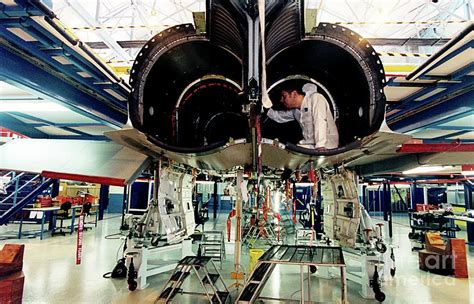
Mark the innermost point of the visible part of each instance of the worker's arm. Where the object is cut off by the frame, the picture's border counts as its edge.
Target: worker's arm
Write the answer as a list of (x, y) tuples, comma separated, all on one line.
[(281, 116)]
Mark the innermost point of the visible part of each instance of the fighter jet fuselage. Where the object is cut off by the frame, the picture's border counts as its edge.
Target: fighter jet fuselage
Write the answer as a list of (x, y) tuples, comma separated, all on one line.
[(198, 92)]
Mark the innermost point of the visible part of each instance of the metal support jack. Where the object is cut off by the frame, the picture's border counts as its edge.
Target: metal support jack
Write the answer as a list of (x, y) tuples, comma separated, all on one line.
[(237, 274)]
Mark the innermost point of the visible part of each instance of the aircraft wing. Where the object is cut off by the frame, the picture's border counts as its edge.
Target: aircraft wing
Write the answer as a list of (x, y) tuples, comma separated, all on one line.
[(412, 155), (377, 146), (275, 155), (85, 160), (216, 157), (382, 152)]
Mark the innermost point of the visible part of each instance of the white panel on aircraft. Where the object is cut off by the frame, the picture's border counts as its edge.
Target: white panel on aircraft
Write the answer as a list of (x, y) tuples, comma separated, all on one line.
[(341, 208)]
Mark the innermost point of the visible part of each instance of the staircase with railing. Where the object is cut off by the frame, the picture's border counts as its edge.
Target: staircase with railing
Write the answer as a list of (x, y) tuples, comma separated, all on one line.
[(21, 189)]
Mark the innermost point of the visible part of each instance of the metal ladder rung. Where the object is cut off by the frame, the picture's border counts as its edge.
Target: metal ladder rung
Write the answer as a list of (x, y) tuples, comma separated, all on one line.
[(177, 276), (222, 295), (213, 276), (259, 273), (248, 292), (169, 293), (257, 281)]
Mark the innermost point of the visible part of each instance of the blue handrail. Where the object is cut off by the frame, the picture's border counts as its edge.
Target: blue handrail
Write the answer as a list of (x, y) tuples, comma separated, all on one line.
[(16, 191), (14, 178), (4, 218)]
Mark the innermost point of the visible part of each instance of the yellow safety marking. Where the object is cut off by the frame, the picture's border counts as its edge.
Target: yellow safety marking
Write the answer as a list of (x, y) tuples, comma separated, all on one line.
[(65, 28), (94, 28), (69, 31), (395, 54), (103, 27), (404, 22)]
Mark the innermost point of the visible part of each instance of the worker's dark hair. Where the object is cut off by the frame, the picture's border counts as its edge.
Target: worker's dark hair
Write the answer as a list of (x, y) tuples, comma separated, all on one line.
[(292, 85)]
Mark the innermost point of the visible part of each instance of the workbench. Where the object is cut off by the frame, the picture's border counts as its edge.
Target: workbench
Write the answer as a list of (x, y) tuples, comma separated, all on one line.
[(52, 224)]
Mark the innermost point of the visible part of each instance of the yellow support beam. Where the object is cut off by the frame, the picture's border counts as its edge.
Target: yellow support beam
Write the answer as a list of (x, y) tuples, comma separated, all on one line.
[(399, 68), (125, 69), (121, 70)]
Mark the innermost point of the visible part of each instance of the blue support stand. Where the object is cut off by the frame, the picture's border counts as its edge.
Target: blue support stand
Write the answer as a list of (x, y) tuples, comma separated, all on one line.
[(215, 201), (364, 198), (387, 207), (413, 196), (319, 209), (103, 200), (55, 188)]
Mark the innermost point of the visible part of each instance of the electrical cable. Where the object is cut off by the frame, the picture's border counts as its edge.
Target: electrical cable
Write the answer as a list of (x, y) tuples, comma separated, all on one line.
[(299, 290), (108, 275), (118, 250), (111, 236)]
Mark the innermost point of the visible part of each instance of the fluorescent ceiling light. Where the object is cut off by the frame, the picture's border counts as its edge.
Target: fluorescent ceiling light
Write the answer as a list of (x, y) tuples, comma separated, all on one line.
[(84, 74), (62, 60), (115, 94), (21, 33), (427, 169), (36, 106), (304, 184)]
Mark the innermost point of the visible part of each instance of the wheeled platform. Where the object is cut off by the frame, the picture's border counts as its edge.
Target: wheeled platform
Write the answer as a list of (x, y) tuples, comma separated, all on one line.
[(302, 256)]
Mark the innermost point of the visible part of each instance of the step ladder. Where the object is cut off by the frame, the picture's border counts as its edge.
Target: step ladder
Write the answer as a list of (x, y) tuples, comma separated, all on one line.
[(266, 233), (207, 274), (213, 245)]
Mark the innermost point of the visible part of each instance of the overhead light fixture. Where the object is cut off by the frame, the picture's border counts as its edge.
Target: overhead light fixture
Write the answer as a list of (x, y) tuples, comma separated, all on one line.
[(427, 169), (62, 60), (22, 34), (115, 94), (30, 106)]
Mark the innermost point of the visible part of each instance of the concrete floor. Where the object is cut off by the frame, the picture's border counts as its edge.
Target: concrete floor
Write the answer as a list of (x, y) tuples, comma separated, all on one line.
[(53, 277)]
